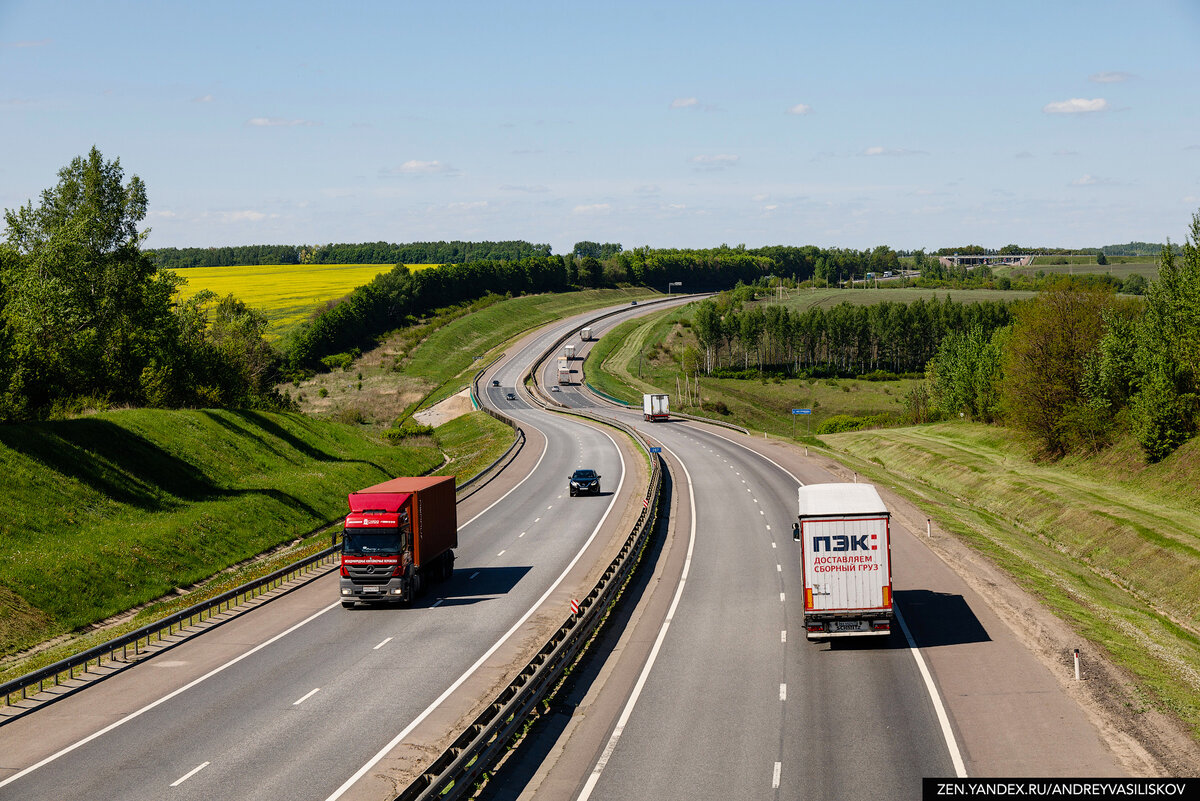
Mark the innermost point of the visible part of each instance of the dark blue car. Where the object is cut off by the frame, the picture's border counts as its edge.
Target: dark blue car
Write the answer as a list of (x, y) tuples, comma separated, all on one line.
[(585, 481)]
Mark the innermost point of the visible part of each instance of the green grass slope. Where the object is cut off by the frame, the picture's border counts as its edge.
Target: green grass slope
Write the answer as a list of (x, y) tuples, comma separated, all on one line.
[(1109, 544), (110, 511), (1106, 542)]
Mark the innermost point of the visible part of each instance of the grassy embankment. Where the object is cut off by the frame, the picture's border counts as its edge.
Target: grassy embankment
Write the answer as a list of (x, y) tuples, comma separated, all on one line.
[(286, 293), (122, 509), (421, 365), (643, 356), (1118, 266), (1107, 543)]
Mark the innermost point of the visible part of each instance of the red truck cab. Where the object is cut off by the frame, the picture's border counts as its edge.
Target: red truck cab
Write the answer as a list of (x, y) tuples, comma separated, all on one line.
[(398, 537)]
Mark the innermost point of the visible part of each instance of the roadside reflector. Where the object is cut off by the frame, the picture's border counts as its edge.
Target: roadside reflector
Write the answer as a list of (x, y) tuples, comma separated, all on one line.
[(887, 596), (808, 598), (574, 607)]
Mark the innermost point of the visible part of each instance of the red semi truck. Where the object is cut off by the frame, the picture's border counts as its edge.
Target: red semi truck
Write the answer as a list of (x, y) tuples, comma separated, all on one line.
[(398, 536)]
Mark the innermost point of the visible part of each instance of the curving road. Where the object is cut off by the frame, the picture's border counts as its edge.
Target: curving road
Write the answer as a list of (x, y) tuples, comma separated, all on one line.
[(305, 698), (713, 692)]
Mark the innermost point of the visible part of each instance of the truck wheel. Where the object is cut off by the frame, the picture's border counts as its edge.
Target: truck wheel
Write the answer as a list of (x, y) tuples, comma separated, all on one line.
[(418, 585), (447, 565)]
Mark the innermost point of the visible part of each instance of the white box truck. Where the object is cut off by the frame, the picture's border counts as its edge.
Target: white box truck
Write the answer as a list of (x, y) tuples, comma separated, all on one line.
[(655, 408), (564, 370), (846, 555), (569, 351), (585, 334)]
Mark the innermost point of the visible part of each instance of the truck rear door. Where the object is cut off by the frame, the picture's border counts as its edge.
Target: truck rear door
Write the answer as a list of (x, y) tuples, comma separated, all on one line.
[(847, 564)]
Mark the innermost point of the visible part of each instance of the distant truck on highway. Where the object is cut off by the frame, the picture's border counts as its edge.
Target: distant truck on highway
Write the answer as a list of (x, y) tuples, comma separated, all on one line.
[(585, 334), (569, 351), (655, 408), (398, 537), (846, 555), (564, 370)]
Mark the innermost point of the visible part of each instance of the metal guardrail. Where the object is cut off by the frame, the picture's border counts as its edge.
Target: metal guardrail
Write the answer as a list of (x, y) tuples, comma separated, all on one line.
[(456, 771), (502, 717), (115, 654), (62, 675)]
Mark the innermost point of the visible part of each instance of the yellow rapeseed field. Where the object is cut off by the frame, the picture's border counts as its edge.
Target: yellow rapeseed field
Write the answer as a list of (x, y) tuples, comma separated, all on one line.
[(285, 293)]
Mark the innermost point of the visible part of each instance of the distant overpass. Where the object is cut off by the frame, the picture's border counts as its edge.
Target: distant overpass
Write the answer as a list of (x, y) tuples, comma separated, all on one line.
[(1012, 259)]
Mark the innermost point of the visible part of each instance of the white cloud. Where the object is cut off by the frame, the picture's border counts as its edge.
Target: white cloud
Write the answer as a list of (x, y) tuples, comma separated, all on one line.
[(594, 208), (714, 162), (1076, 105), (203, 99), (275, 122), (1109, 77), (647, 189), (415, 167), (759, 198), (771, 207), (800, 108), (892, 151), (521, 188), (684, 102), (1087, 179), (467, 205), (246, 215)]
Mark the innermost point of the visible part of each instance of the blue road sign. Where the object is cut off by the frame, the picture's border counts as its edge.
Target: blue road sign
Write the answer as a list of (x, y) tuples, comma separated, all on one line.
[(655, 449), (801, 411)]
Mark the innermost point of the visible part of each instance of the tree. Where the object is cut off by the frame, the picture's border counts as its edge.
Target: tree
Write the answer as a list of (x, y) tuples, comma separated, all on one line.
[(1167, 360), (85, 306), (586, 248), (1043, 384), (1101, 259), (591, 272)]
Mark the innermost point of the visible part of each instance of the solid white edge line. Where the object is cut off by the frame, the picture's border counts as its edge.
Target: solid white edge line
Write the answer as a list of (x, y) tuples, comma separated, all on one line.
[(306, 696), (943, 718), (165, 698), (960, 769), (504, 638), (190, 774), (545, 447), (590, 785)]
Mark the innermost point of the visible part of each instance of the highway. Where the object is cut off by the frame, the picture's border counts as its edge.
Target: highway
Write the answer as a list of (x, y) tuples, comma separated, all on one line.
[(713, 692), (305, 698)]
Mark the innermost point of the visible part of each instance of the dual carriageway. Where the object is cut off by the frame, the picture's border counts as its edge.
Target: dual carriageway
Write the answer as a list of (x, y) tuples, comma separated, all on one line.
[(707, 690)]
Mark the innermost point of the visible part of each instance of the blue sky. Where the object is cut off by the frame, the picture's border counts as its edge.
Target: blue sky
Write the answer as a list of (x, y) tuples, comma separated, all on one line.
[(850, 124)]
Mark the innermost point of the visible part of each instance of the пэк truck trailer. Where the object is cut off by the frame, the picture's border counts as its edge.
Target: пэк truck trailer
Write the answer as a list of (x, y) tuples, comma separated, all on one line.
[(846, 554)]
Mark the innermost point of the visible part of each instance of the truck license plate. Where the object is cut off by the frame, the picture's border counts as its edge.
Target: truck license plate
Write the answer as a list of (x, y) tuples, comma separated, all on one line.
[(370, 588), (847, 625)]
